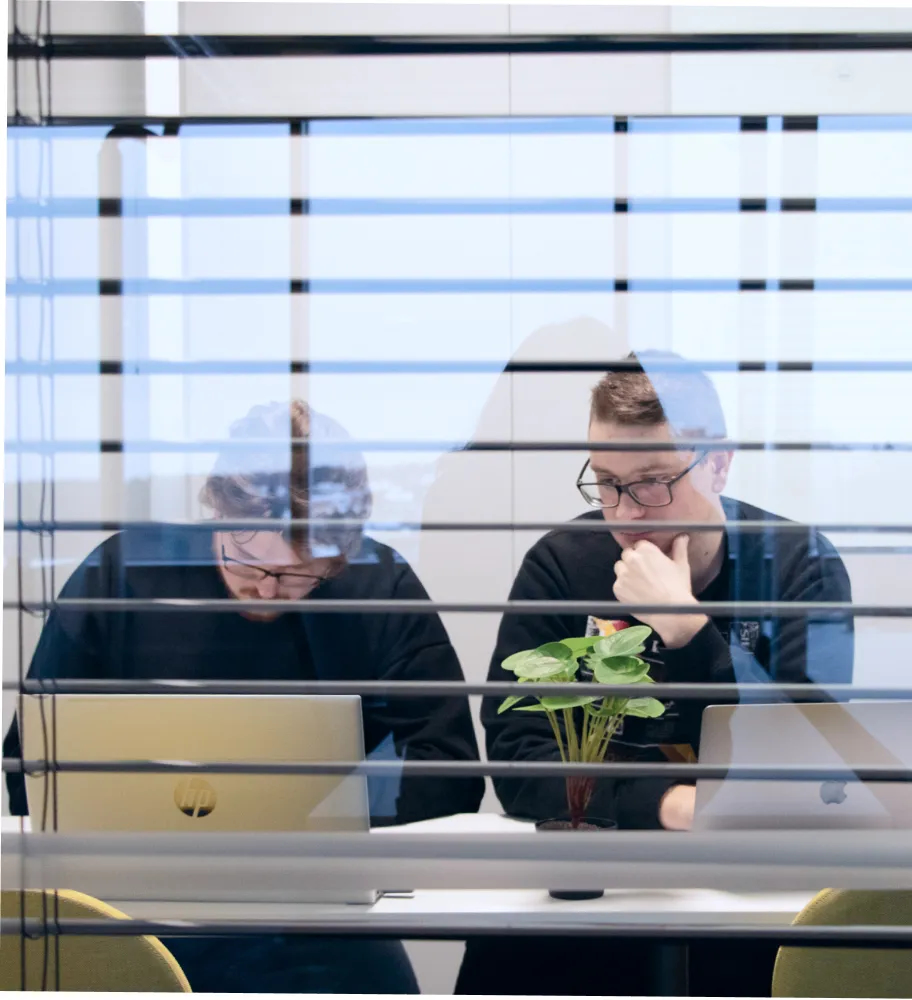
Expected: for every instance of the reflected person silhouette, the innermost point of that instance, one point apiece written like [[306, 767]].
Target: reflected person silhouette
[[482, 487]]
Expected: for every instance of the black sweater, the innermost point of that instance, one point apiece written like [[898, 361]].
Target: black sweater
[[199, 645], [579, 565]]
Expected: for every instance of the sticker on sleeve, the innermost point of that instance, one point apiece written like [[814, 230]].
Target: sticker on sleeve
[[603, 626]]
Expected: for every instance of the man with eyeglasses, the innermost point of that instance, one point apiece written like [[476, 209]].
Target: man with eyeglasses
[[655, 402], [283, 464]]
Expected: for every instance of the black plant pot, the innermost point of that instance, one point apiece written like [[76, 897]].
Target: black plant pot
[[589, 825]]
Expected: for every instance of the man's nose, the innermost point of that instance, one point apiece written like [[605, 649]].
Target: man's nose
[[628, 509], [267, 588]]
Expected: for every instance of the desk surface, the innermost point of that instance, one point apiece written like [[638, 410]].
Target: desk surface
[[503, 908]]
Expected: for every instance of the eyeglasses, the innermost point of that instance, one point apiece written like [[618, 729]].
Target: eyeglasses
[[248, 572], [646, 493]]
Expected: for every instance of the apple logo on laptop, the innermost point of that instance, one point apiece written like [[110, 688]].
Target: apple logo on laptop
[[833, 793]]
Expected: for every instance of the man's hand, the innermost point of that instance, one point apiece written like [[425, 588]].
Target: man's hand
[[676, 810], [645, 575]]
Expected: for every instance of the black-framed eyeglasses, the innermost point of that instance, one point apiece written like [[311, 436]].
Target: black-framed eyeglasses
[[248, 572], [646, 493]]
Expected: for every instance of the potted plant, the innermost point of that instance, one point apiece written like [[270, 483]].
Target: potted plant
[[583, 725]]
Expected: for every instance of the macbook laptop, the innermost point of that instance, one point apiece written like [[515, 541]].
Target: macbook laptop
[[853, 735], [205, 728]]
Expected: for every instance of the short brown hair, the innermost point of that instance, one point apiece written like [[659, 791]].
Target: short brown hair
[[652, 392], [296, 466]]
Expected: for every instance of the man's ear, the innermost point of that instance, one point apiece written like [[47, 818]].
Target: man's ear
[[719, 463]]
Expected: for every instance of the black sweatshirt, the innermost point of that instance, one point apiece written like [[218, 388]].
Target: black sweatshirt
[[579, 565], [198, 645]]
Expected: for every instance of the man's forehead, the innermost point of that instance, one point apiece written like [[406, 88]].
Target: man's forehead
[[264, 543], [634, 463]]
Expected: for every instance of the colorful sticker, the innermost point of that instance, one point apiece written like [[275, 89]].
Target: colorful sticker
[[603, 626]]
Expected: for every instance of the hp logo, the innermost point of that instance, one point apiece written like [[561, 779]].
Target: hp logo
[[194, 797]]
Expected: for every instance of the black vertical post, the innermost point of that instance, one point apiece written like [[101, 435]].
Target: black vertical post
[[671, 969]]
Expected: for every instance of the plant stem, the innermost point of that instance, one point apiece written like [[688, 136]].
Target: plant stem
[[572, 741], [552, 718], [588, 787], [574, 788], [579, 795], [612, 728], [595, 739]]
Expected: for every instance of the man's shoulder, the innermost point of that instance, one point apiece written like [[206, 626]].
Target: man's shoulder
[[785, 537], [740, 510], [127, 557], [158, 545], [374, 571]]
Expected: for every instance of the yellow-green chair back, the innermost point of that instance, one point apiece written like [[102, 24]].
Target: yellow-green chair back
[[122, 964], [848, 972]]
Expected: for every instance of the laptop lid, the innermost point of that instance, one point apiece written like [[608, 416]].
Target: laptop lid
[[853, 735], [198, 727]]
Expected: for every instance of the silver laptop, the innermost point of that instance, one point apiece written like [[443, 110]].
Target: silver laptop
[[205, 728], [854, 734]]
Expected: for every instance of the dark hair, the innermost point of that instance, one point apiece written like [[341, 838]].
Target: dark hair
[[677, 394], [313, 477]]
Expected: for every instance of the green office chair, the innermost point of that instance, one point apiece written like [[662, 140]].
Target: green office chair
[[122, 964], [848, 972]]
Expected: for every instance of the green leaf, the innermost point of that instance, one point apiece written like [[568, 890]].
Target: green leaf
[[508, 703], [644, 708], [511, 662], [542, 668], [580, 646], [558, 702], [543, 663], [559, 650], [627, 642], [619, 669], [634, 651]]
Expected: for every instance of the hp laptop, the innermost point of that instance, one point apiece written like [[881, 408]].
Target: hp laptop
[[850, 735], [205, 728]]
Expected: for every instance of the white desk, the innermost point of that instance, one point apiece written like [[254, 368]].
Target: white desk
[[454, 913], [450, 910]]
